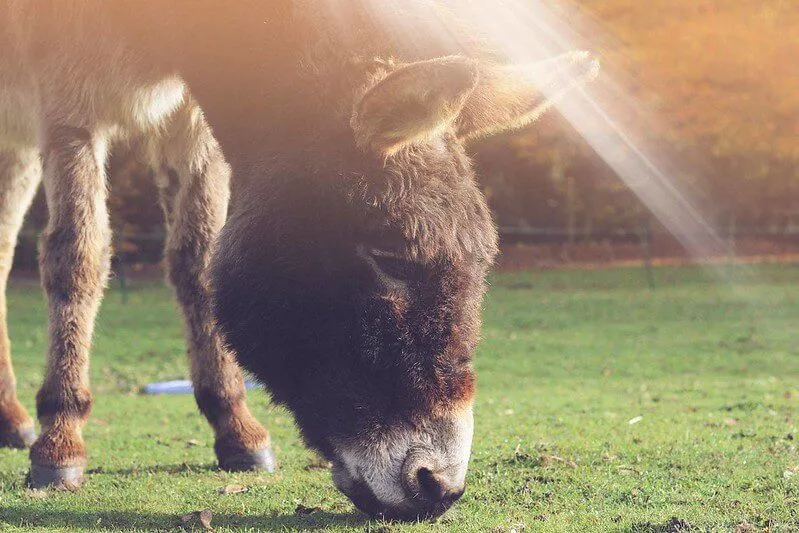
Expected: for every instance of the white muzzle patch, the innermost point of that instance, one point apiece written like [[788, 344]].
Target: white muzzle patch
[[389, 466]]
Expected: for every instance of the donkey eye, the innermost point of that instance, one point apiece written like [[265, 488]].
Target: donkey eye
[[394, 265], [398, 267]]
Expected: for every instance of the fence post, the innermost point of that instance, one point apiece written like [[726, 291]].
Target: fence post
[[732, 231], [123, 282], [646, 245], [119, 267], [571, 210]]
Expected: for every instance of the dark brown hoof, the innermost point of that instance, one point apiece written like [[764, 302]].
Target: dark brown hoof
[[65, 478], [263, 459], [19, 438]]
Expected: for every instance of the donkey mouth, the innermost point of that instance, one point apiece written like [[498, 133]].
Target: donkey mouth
[[361, 495], [365, 501]]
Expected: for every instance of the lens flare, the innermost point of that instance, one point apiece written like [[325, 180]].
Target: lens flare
[[521, 31], [524, 27]]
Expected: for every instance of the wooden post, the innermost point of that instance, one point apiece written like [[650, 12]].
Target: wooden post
[[123, 281], [732, 230], [571, 210], [646, 245], [119, 266]]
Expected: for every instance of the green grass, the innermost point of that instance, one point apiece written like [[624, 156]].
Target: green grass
[[569, 359]]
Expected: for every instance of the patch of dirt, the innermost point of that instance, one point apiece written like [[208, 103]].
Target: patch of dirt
[[675, 525], [303, 510], [319, 464], [35, 494]]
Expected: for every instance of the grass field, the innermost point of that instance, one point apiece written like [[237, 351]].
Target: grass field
[[602, 406]]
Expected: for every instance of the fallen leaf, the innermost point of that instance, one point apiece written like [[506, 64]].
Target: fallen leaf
[[635, 420], [205, 518], [628, 470], [232, 489], [36, 494], [202, 518]]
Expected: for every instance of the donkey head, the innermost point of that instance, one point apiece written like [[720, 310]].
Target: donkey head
[[349, 279]]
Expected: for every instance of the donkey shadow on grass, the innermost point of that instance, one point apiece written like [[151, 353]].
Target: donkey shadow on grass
[[23, 516], [302, 520], [181, 468]]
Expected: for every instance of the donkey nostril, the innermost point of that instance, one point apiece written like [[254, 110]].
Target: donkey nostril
[[455, 496], [436, 489], [432, 487]]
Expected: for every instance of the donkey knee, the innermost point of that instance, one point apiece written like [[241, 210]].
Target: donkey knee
[[74, 263], [185, 271], [75, 249]]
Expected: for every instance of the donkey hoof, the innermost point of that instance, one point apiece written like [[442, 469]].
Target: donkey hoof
[[64, 478], [263, 459], [18, 438]]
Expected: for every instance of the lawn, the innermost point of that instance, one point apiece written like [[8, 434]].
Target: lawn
[[602, 406]]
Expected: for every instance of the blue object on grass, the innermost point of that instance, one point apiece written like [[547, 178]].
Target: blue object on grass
[[182, 386]]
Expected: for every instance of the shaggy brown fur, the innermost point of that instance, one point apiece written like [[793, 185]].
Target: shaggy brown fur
[[87, 90]]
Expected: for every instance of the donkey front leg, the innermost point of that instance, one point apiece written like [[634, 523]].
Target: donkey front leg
[[20, 173], [194, 186], [75, 253]]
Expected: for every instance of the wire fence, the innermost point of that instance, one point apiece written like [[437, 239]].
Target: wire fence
[[522, 247], [148, 247]]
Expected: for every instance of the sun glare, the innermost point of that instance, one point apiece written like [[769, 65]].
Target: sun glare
[[532, 30]]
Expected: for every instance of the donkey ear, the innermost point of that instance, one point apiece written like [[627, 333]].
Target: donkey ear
[[512, 97], [413, 103]]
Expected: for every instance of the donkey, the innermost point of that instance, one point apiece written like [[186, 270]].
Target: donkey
[[347, 277]]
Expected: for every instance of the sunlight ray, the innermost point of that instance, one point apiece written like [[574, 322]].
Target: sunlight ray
[[533, 30]]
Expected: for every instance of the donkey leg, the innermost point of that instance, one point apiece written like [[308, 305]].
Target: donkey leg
[[75, 254], [194, 181], [20, 174]]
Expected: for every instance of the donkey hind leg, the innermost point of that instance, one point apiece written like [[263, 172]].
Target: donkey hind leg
[[194, 179], [20, 174], [74, 257]]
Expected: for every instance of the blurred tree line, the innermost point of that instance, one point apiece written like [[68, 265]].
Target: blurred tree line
[[722, 78]]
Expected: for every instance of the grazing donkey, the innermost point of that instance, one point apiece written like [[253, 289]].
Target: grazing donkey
[[349, 275]]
